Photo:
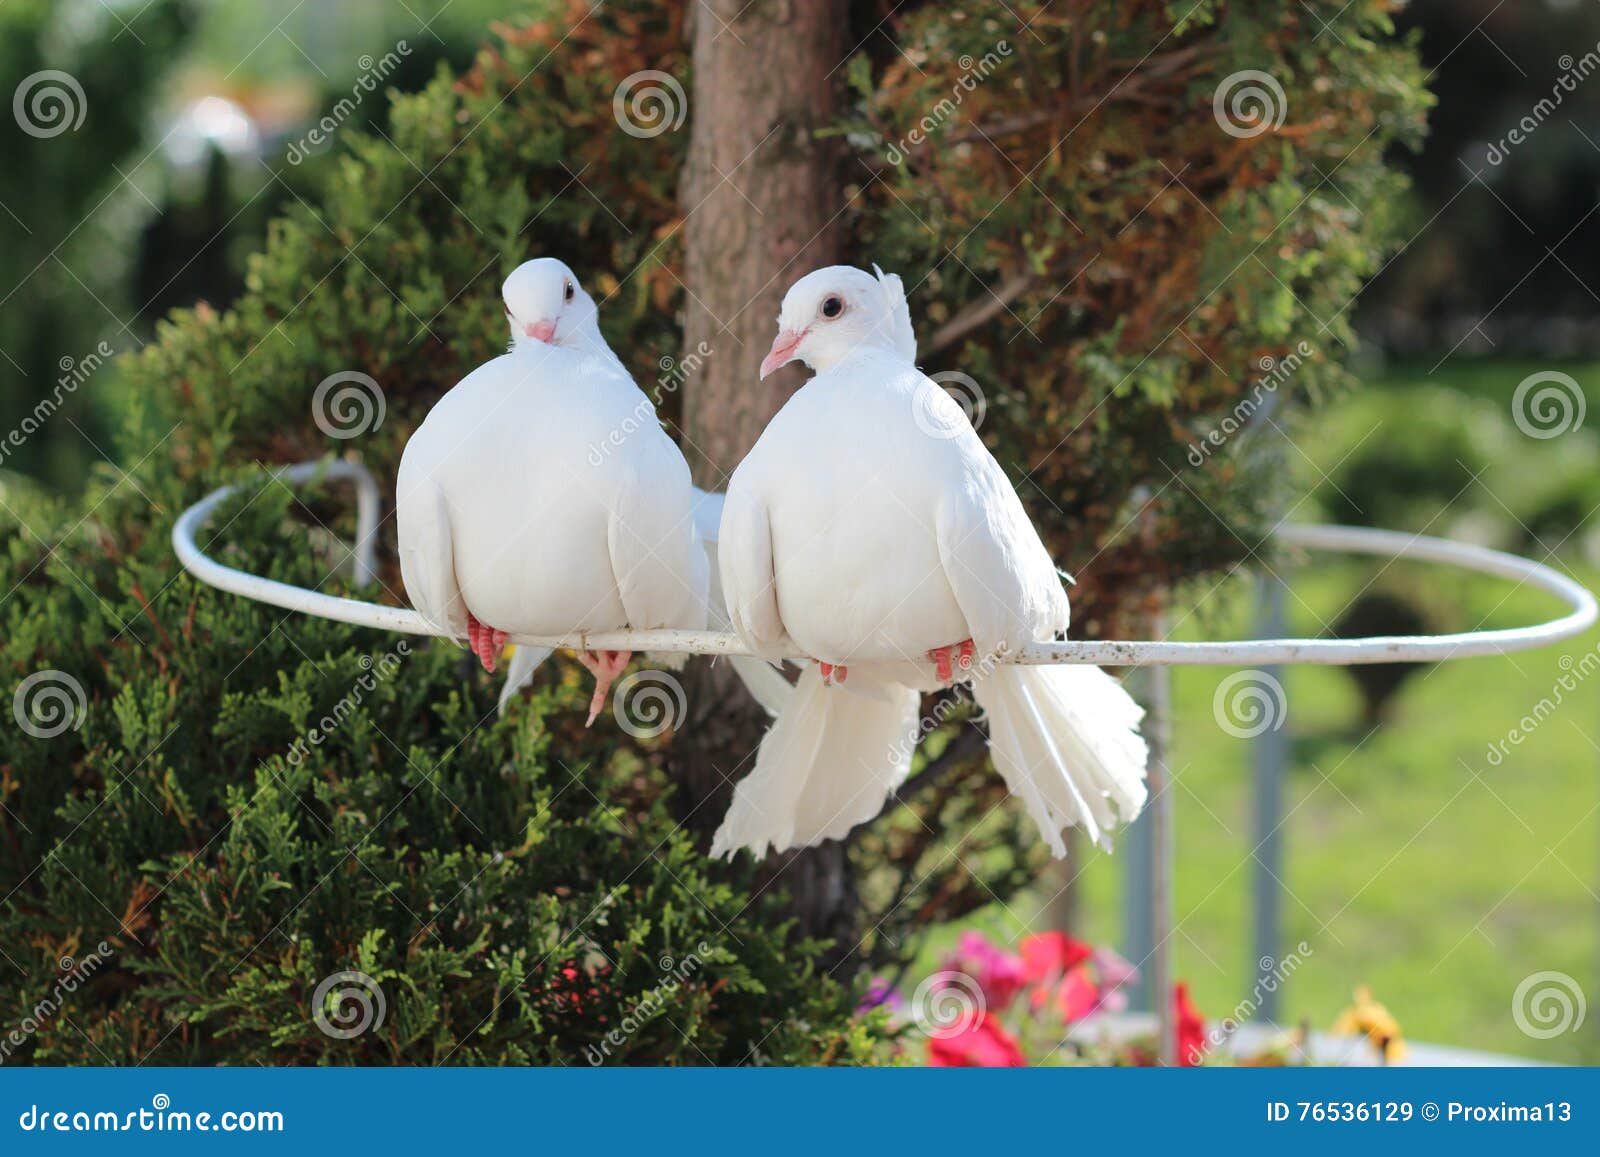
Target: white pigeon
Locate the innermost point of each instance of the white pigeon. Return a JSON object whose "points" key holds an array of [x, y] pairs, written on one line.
{"points": [[541, 497], [871, 529]]}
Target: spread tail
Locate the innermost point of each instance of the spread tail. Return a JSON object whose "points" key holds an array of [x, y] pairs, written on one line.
{"points": [[827, 763], [1065, 739]]}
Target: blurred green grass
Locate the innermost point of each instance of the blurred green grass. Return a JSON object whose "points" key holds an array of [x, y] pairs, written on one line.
{"points": [[1410, 863]]}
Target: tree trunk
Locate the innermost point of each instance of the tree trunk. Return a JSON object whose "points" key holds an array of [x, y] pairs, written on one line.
{"points": [[761, 197]]}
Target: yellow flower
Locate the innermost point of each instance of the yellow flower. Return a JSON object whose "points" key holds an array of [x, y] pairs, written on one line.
{"points": [[1366, 1017]]}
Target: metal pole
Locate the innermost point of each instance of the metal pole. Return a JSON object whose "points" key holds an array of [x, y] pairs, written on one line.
{"points": [[1158, 732], [1149, 878], [1270, 754]]}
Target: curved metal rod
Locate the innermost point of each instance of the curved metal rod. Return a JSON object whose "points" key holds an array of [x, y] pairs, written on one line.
{"points": [[1132, 653]]}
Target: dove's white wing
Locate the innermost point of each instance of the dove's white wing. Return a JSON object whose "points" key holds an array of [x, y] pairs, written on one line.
{"points": [[744, 552], [661, 568], [427, 555]]}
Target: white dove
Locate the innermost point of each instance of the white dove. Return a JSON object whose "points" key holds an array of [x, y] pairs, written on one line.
{"points": [[535, 499], [870, 528]]}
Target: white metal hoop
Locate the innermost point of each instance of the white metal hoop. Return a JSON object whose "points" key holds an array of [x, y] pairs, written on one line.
{"points": [[1133, 653]]}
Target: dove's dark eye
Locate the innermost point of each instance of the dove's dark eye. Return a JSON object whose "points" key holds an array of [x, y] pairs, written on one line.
{"points": [[832, 307], [569, 290]]}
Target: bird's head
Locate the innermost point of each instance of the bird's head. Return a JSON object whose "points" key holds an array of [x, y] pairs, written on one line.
{"points": [[545, 303], [834, 312]]}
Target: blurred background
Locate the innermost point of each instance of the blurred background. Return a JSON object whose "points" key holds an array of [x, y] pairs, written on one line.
{"points": [[1413, 859]]}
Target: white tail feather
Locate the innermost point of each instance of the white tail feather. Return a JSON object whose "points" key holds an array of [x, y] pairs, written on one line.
{"points": [[827, 764], [1066, 741]]}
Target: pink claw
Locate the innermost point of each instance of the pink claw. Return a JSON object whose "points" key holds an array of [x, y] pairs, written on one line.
{"points": [[941, 657], [833, 672], [605, 666], [486, 642]]}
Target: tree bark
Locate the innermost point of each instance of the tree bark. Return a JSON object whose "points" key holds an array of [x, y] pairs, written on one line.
{"points": [[761, 199]]}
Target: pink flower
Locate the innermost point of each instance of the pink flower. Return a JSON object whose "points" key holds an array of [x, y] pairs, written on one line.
{"points": [[1000, 974]]}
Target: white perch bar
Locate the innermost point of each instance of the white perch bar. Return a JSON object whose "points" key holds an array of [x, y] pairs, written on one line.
{"points": [[1131, 653]]}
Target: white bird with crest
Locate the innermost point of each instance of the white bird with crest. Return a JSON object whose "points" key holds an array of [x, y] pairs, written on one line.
{"points": [[523, 511], [871, 529]]}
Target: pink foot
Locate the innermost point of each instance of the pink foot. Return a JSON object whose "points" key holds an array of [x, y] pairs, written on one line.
{"points": [[941, 657], [485, 641], [833, 672], [605, 666]]}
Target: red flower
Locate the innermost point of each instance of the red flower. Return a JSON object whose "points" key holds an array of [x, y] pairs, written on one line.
{"points": [[1047, 956], [981, 1043], [1078, 995], [1191, 1026]]}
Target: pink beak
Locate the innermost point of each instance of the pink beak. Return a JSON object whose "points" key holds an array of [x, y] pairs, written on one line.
{"points": [[783, 347], [541, 331]]}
